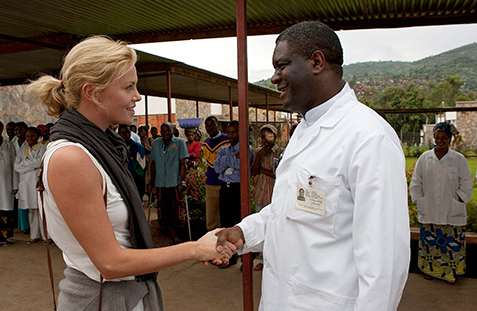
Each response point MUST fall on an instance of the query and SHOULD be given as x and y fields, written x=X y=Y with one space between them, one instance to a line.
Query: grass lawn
x=472 y=165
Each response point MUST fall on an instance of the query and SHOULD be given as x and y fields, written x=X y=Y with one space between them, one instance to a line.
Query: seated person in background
x=137 y=160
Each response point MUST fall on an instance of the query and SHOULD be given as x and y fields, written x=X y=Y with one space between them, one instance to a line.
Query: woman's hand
x=207 y=249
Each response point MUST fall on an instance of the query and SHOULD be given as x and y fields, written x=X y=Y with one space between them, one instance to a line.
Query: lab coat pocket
x=321 y=214
x=305 y=297
x=457 y=215
x=453 y=172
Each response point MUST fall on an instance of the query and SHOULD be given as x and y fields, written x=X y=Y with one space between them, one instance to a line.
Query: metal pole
x=169 y=96
x=266 y=104
x=146 y=110
x=243 y=141
x=231 y=104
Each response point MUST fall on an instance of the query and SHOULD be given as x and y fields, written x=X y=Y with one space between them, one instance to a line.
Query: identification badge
x=229 y=171
x=310 y=200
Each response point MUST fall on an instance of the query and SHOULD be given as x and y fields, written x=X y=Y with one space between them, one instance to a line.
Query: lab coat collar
x=449 y=155
x=347 y=100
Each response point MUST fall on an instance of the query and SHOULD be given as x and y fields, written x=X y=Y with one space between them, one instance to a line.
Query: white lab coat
x=356 y=257
x=27 y=168
x=437 y=185
x=8 y=177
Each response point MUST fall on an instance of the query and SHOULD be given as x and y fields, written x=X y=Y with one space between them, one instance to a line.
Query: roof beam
x=18 y=45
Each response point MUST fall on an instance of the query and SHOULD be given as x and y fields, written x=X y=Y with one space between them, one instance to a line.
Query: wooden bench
x=470 y=237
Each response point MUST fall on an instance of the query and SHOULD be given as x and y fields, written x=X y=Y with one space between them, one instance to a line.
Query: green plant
x=196 y=191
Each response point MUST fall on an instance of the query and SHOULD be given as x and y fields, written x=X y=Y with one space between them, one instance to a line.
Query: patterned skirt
x=442 y=251
x=6 y=225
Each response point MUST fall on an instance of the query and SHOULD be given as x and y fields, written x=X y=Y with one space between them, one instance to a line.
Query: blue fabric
x=23 y=221
x=443 y=126
x=225 y=160
x=167 y=161
x=136 y=150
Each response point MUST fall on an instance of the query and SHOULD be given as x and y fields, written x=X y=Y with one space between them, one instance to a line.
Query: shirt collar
x=312 y=115
x=218 y=135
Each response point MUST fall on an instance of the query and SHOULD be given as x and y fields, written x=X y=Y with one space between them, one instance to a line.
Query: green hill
x=433 y=69
x=461 y=61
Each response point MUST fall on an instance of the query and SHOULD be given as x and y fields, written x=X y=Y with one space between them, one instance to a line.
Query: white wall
x=156 y=105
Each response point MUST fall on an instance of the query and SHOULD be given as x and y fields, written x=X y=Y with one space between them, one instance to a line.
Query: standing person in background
x=154 y=133
x=27 y=164
x=211 y=147
x=20 y=145
x=8 y=186
x=10 y=129
x=193 y=148
x=135 y=137
x=168 y=173
x=227 y=165
x=93 y=210
x=147 y=142
x=46 y=134
x=263 y=167
x=345 y=247
x=442 y=186
x=136 y=158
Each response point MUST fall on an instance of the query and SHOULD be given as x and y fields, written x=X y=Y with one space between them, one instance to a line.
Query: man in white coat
x=345 y=245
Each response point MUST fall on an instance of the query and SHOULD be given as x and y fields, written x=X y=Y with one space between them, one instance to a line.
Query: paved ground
x=192 y=286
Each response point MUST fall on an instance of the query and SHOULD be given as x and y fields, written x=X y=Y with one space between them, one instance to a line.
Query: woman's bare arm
x=76 y=185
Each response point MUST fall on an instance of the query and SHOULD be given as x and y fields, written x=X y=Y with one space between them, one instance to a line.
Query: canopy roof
x=36 y=34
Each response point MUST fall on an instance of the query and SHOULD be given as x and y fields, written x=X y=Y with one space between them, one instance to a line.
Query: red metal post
x=244 y=143
x=231 y=104
x=146 y=110
x=266 y=103
x=169 y=96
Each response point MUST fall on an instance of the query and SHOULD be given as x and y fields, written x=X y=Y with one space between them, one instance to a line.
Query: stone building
x=466 y=124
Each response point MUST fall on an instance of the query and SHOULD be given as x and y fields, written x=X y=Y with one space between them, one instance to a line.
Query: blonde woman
x=93 y=209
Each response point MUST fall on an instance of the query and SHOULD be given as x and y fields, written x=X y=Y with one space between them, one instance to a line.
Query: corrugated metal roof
x=35 y=34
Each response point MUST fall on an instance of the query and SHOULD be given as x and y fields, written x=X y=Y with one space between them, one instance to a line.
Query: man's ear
x=318 y=61
x=87 y=90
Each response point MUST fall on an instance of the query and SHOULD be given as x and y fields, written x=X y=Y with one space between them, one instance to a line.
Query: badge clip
x=309 y=179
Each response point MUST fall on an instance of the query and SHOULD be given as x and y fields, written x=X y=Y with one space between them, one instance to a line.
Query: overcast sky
x=403 y=44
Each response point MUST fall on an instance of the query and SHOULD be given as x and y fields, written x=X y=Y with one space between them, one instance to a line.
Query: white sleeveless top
x=73 y=254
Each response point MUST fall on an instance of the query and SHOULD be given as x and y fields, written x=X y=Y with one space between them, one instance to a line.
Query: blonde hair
x=97 y=60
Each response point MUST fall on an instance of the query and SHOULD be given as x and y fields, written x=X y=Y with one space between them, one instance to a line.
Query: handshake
x=219 y=245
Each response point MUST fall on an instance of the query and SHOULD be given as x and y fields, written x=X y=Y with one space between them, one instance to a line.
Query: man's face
x=154 y=132
x=166 y=132
x=20 y=132
x=46 y=131
x=232 y=134
x=212 y=128
x=10 y=131
x=294 y=78
x=125 y=133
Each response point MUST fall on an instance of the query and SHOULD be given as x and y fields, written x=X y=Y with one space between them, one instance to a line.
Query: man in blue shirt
x=168 y=172
x=227 y=165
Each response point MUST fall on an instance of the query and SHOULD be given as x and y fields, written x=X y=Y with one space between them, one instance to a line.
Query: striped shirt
x=262 y=191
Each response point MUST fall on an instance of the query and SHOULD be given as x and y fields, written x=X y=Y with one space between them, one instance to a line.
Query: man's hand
x=233 y=235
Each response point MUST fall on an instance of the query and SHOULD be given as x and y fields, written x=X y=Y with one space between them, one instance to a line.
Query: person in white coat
x=345 y=246
x=8 y=185
x=27 y=164
x=442 y=186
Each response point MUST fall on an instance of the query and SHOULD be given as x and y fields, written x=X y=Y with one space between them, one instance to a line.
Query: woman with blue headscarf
x=442 y=185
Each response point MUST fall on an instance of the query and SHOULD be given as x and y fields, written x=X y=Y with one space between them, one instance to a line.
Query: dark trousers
x=229 y=204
